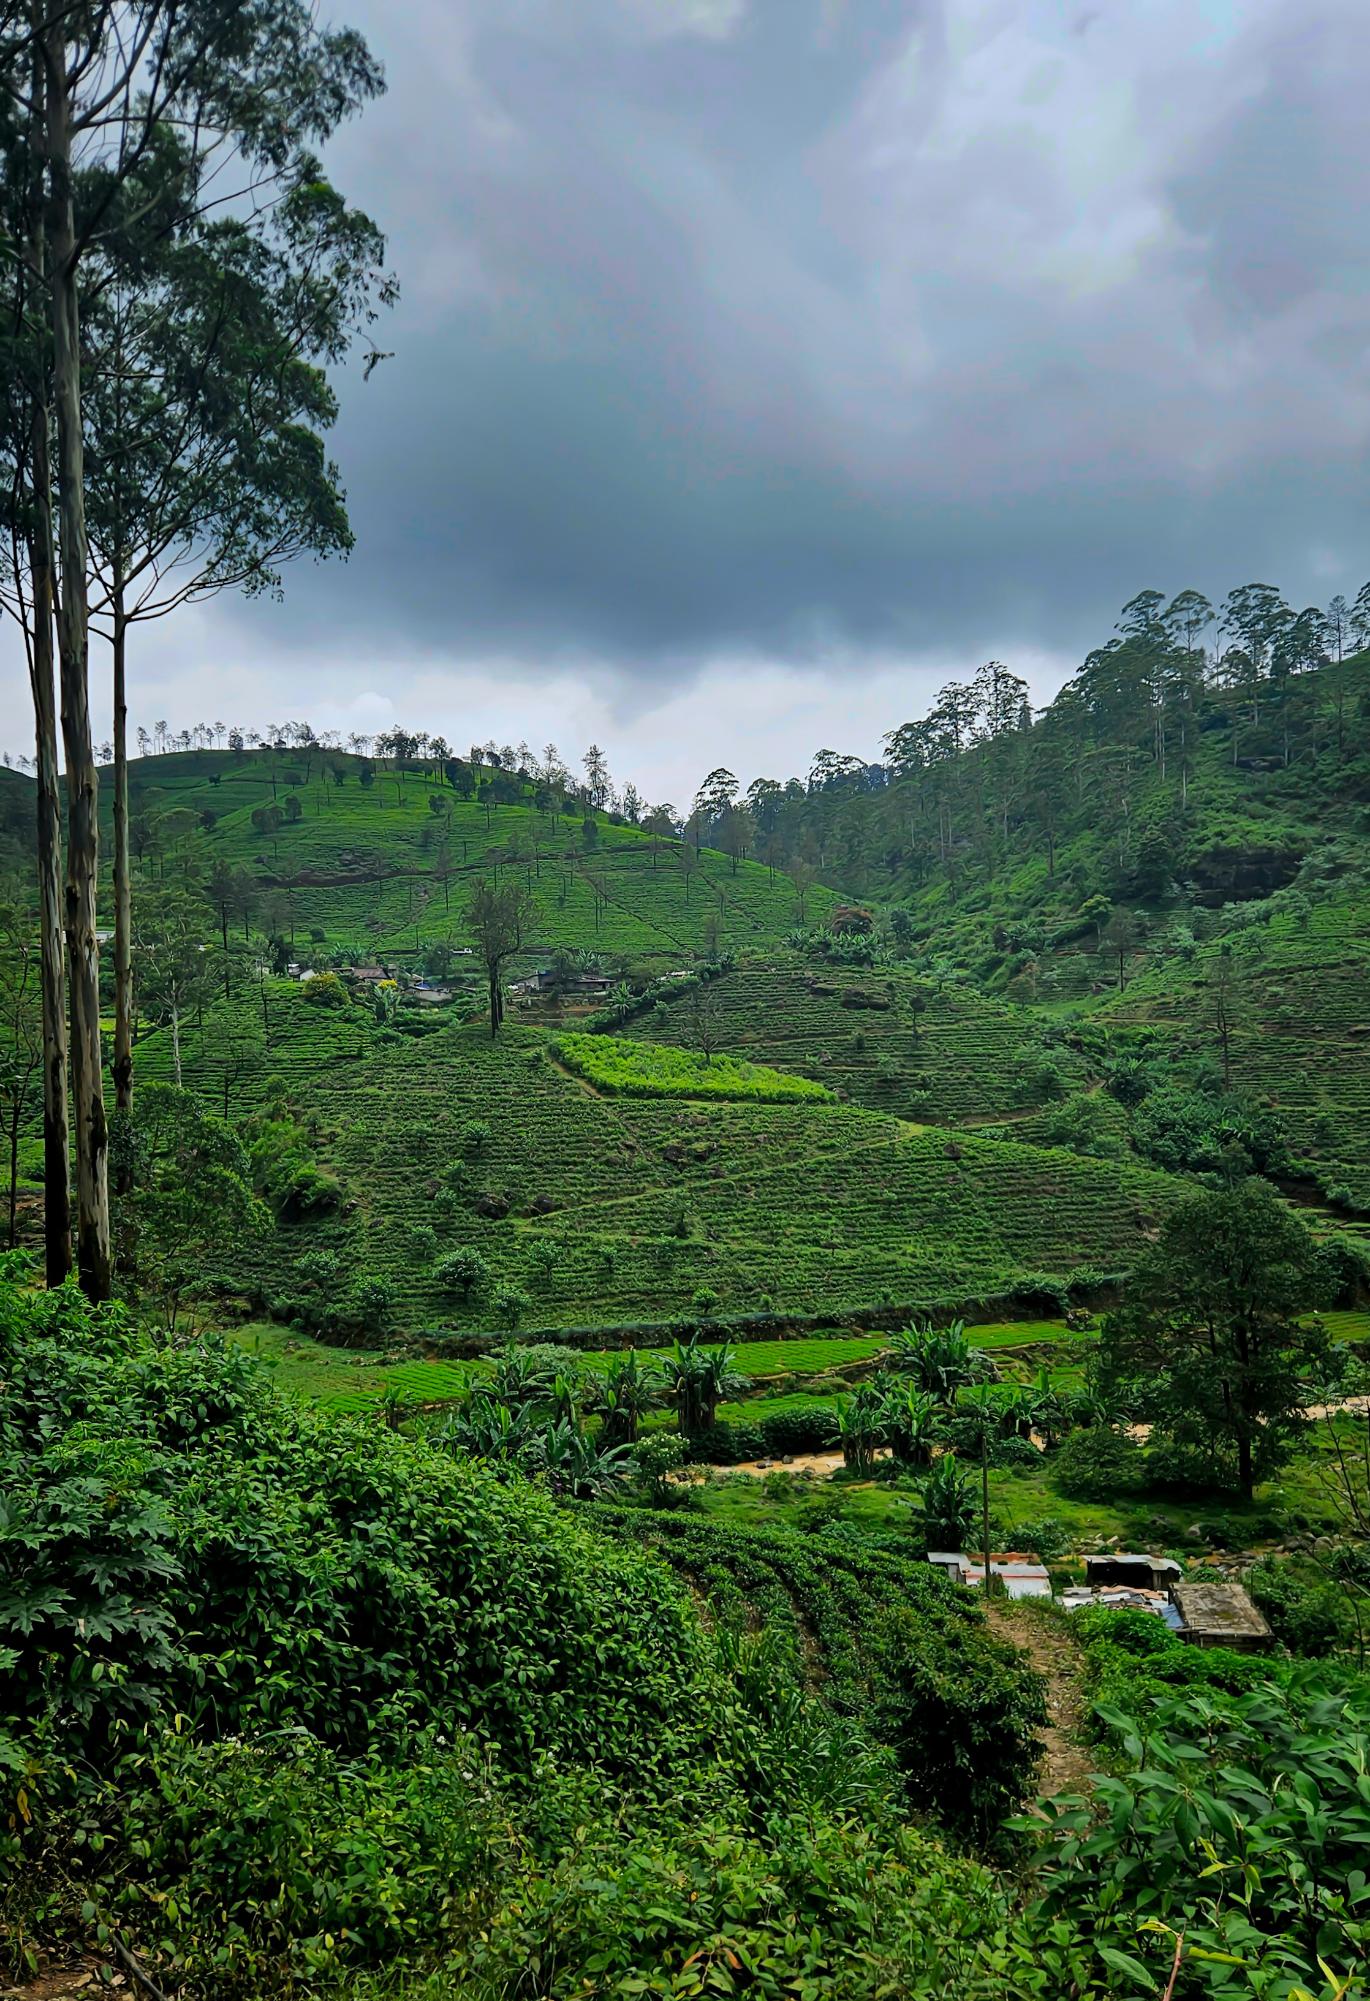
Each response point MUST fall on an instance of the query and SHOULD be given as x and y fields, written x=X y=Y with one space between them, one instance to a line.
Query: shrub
x=897 y=1648
x=656 y=1458
x=308 y=1191
x=1098 y=1464
x=1048 y=1539
x=964 y=1761
x=373 y=1300
x=1216 y=1749
x=797 y=1430
x=1198 y=1132
x=326 y=990
x=1308 y=1614
x=544 y=1257
x=420 y=1242
x=327 y=1864
x=726 y=1445
x=509 y=1305
x=463 y=1274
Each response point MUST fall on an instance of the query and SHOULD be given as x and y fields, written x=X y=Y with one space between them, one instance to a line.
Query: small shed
x=1022 y=1578
x=1144 y=1573
x=1217 y=1613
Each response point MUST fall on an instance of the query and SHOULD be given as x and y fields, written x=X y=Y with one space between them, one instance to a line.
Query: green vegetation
x=623 y=1069
x=1281 y=1006
x=482 y=1696
x=1237 y=1826
x=374 y=866
x=622 y=1210
x=892 y=1041
x=390 y=1604
x=507 y=1343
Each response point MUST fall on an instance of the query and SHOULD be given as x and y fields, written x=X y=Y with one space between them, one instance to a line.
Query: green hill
x=602 y=1209
x=1156 y=784
x=1284 y=1007
x=886 y=1038
x=380 y=859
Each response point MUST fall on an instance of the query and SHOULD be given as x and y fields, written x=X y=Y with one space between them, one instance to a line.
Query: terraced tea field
x=615 y=1211
x=378 y=869
x=619 y=1068
x=1298 y=1008
x=886 y=1040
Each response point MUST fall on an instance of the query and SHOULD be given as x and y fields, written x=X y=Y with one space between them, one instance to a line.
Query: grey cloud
x=889 y=326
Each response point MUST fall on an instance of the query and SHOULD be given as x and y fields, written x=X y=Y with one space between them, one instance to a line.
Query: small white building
x=1023 y=1576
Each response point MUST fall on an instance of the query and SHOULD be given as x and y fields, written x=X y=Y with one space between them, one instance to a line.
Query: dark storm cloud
x=757 y=326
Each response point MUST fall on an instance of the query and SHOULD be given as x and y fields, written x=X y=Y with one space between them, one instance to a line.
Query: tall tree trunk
x=123 y=889
x=93 y=1258
x=52 y=960
x=56 y=1111
x=14 y=1177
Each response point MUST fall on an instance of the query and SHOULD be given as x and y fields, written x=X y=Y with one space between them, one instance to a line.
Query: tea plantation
x=591 y=1210
x=888 y=1039
x=386 y=865
x=1296 y=997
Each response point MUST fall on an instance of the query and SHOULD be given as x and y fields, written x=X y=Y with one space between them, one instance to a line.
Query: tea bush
x=287 y=1699
x=1238 y=1823
x=621 y=1068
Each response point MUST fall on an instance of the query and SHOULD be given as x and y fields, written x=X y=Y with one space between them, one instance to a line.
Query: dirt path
x=1066 y=1763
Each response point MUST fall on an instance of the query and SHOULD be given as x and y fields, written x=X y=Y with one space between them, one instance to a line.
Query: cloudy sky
x=762 y=363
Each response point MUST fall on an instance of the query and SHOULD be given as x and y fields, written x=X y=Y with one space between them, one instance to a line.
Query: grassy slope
x=1299 y=1009
x=887 y=1039
x=371 y=853
x=1240 y=832
x=817 y=1210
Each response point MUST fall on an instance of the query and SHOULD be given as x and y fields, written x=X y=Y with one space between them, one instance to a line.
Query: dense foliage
x=1238 y=1820
x=1211 y=1340
x=284 y=1698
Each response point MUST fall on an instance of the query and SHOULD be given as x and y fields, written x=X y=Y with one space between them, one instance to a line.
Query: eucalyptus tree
x=21 y=1042
x=27 y=593
x=205 y=409
x=92 y=91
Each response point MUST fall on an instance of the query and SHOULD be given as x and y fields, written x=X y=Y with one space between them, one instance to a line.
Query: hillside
x=378 y=858
x=1157 y=784
x=1284 y=1007
x=887 y=1038
x=595 y=1209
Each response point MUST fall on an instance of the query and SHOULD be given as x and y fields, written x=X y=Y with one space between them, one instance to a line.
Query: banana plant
x=941 y=1360
x=627 y=1393
x=947 y=1505
x=860 y=1427
x=568 y=1462
x=697 y=1380
x=484 y=1428
x=912 y=1423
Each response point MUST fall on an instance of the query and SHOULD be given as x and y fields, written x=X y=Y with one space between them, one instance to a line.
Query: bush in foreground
x=286 y=1698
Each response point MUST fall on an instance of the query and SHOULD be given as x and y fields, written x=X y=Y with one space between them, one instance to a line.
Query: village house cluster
x=1207 y=1611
